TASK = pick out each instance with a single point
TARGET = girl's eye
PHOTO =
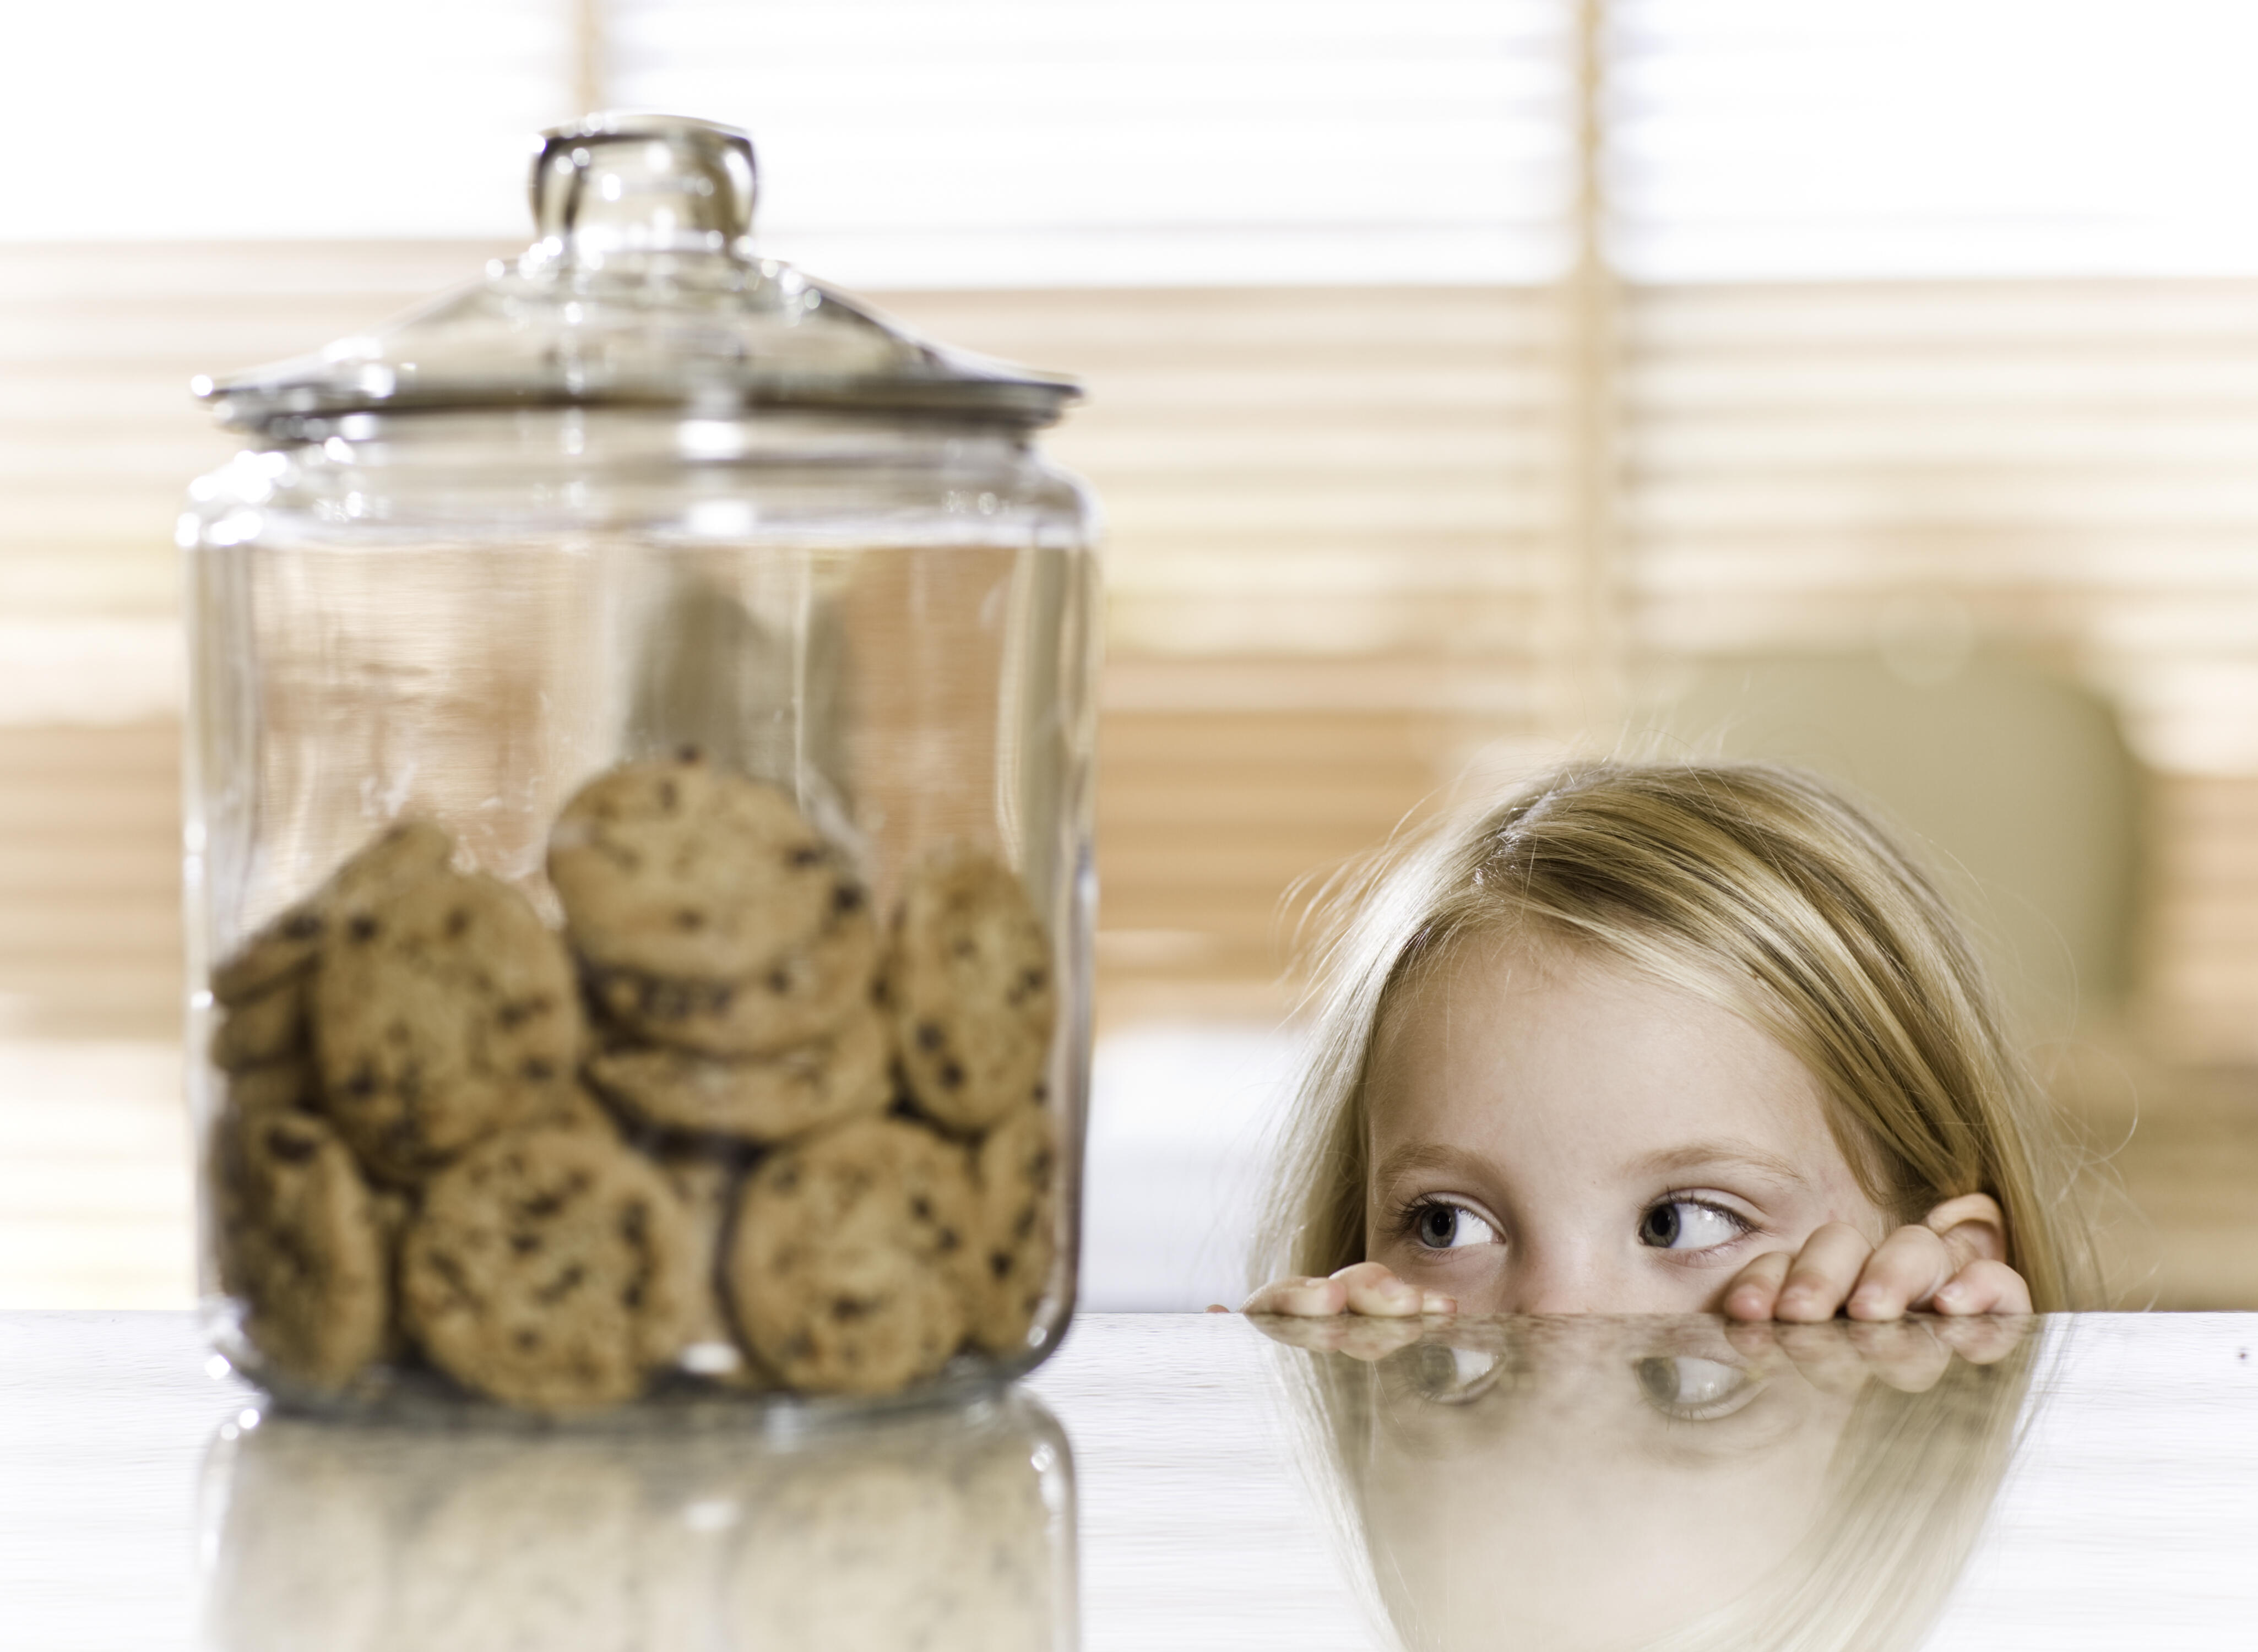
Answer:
(1445, 1227)
(1688, 1224)
(1700, 1389)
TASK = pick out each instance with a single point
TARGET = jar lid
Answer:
(642, 289)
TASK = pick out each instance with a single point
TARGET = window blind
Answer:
(1904, 310)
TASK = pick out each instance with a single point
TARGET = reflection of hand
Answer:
(1361, 1288)
(1354, 1335)
(1909, 1355)
(1951, 1262)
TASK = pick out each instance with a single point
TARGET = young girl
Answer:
(1666, 1038)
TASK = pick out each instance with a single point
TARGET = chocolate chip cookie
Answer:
(286, 947)
(550, 1268)
(1016, 1174)
(849, 1267)
(299, 1243)
(755, 1098)
(970, 980)
(268, 1027)
(441, 1016)
(800, 997)
(675, 869)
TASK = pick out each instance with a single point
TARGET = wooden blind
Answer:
(1385, 463)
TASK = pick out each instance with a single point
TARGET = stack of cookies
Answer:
(722, 1125)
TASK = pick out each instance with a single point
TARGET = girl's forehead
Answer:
(1506, 1034)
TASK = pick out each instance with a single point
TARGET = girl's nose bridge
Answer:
(1559, 1275)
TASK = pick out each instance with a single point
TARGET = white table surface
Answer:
(1501, 1463)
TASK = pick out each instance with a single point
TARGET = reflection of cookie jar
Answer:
(942, 1530)
(638, 833)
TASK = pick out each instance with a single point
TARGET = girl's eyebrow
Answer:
(1428, 1156)
(1709, 1155)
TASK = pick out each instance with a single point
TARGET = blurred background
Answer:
(1868, 382)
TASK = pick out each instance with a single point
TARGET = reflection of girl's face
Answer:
(1552, 1133)
(1588, 1484)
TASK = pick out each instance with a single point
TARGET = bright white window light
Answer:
(1785, 139)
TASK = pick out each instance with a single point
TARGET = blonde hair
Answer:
(1757, 887)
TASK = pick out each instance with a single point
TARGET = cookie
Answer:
(550, 1268)
(970, 980)
(848, 1269)
(300, 1244)
(523, 1545)
(264, 1029)
(800, 997)
(283, 1085)
(933, 1541)
(1016, 1173)
(756, 1098)
(440, 1016)
(286, 947)
(678, 869)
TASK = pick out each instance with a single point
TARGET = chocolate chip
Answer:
(1000, 1264)
(458, 923)
(562, 1285)
(536, 1069)
(689, 753)
(304, 927)
(846, 898)
(525, 1244)
(690, 920)
(930, 1037)
(363, 927)
(289, 1147)
(779, 981)
(951, 1076)
(806, 854)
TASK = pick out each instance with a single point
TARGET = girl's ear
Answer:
(1973, 1226)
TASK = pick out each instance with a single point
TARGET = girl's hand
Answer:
(1952, 1262)
(1361, 1288)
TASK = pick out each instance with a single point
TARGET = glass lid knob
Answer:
(622, 180)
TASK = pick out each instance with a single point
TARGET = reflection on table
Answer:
(944, 1529)
(1661, 1482)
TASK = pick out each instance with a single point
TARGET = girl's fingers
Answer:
(1755, 1287)
(1983, 1286)
(1973, 1225)
(1822, 1273)
(1911, 1264)
(1375, 1291)
(1362, 1287)
(1304, 1298)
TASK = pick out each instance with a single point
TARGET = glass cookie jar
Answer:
(638, 834)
